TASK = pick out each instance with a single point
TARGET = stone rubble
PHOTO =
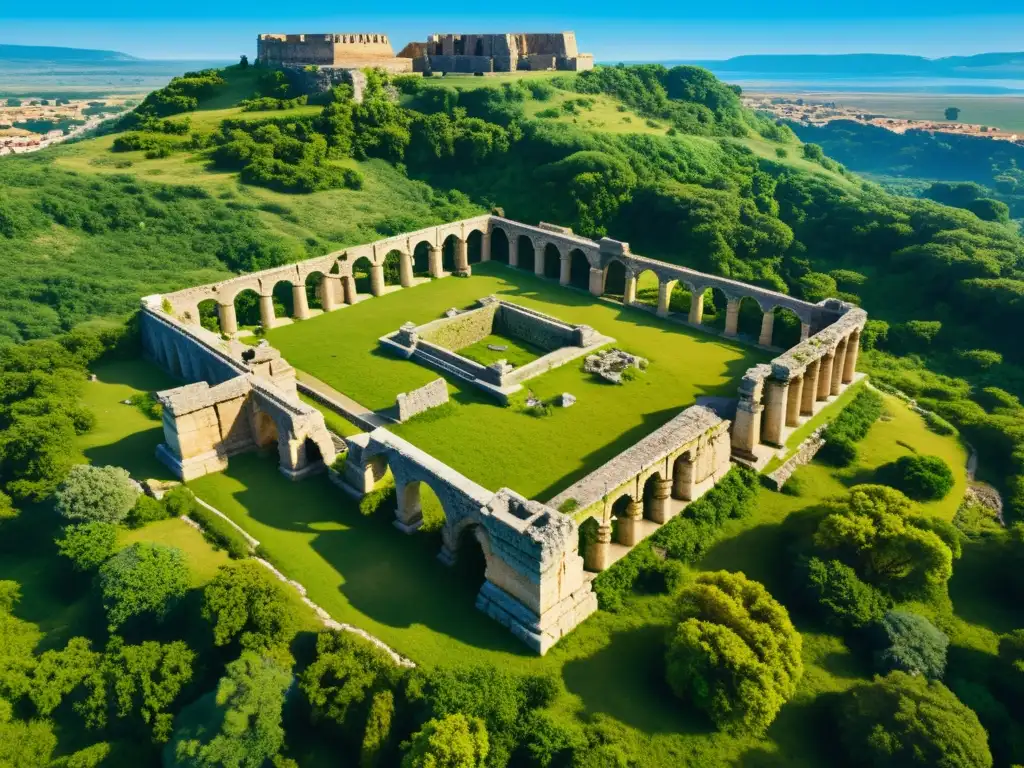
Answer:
(609, 364)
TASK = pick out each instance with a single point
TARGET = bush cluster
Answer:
(849, 427)
(924, 478)
(182, 94)
(216, 530)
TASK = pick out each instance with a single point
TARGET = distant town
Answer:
(29, 124)
(808, 111)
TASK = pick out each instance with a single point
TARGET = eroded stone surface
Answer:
(609, 364)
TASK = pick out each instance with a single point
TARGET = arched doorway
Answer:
(527, 258)
(361, 274)
(785, 328)
(448, 253)
(313, 453)
(619, 510)
(470, 556)
(647, 289)
(283, 299)
(579, 269)
(475, 247)
(614, 279)
(247, 308)
(209, 315)
(649, 487)
(314, 290)
(499, 246)
(552, 261)
(750, 318)
(393, 268)
(421, 259)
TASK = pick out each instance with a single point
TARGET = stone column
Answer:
(767, 324)
(732, 317)
(596, 558)
(329, 293)
(540, 256)
(837, 368)
(810, 388)
(696, 307)
(485, 247)
(850, 363)
(683, 479)
(300, 305)
(267, 311)
(513, 251)
(461, 256)
(434, 262)
(746, 430)
(795, 402)
(629, 526)
(805, 331)
(659, 502)
(228, 320)
(348, 285)
(405, 270)
(409, 514)
(664, 295)
(376, 279)
(776, 399)
(565, 270)
(629, 292)
(825, 376)
(596, 282)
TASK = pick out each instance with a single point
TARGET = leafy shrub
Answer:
(910, 643)
(179, 501)
(840, 598)
(385, 498)
(220, 532)
(901, 720)
(88, 545)
(454, 740)
(144, 578)
(146, 510)
(91, 493)
(849, 427)
(735, 654)
(924, 478)
(245, 602)
(147, 404)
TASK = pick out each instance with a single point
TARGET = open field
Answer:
(364, 572)
(535, 456)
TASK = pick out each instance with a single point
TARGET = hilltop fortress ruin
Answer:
(465, 53)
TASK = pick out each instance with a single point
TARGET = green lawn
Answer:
(517, 352)
(535, 456)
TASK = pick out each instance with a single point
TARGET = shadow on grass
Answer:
(804, 734)
(146, 378)
(135, 452)
(977, 589)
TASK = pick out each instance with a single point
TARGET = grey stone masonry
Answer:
(423, 399)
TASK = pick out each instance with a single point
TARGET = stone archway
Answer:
(785, 328)
(499, 245)
(361, 274)
(715, 309)
(552, 261)
(527, 256)
(393, 267)
(448, 247)
(579, 269)
(284, 305)
(471, 555)
(750, 317)
(647, 287)
(614, 279)
(314, 285)
(209, 315)
(475, 247)
(421, 259)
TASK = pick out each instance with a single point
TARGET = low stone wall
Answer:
(423, 399)
(806, 451)
(461, 330)
(533, 327)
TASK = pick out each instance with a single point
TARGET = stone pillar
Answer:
(664, 295)
(540, 256)
(513, 251)
(434, 262)
(629, 292)
(596, 557)
(837, 368)
(485, 247)
(825, 376)
(405, 270)
(683, 480)
(376, 279)
(267, 311)
(629, 526)
(596, 282)
(850, 363)
(461, 256)
(746, 430)
(805, 331)
(409, 514)
(300, 305)
(776, 399)
(767, 324)
(696, 307)
(795, 402)
(732, 317)
(810, 388)
(329, 293)
(565, 270)
(228, 320)
(348, 285)
(659, 501)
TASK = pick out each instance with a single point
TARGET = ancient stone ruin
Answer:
(611, 364)
(504, 52)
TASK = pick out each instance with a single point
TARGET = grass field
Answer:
(362, 571)
(537, 456)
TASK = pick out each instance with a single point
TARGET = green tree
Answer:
(245, 603)
(91, 493)
(842, 599)
(454, 741)
(24, 744)
(924, 478)
(952, 113)
(88, 545)
(902, 720)
(911, 643)
(735, 654)
(7, 510)
(250, 698)
(378, 730)
(35, 454)
(72, 672)
(144, 578)
(1011, 659)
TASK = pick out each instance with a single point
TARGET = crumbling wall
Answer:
(454, 333)
(533, 328)
(423, 399)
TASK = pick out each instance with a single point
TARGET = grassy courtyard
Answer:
(535, 456)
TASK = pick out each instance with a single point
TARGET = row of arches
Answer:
(524, 253)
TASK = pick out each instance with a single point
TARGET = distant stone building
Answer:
(507, 52)
(330, 50)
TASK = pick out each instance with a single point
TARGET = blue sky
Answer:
(610, 29)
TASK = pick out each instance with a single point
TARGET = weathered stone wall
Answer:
(532, 327)
(329, 49)
(505, 52)
(323, 79)
(806, 451)
(423, 399)
(461, 330)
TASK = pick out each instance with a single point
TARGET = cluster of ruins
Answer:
(441, 53)
(241, 398)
